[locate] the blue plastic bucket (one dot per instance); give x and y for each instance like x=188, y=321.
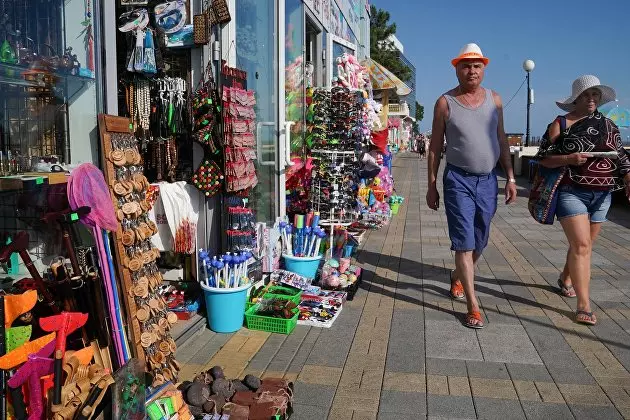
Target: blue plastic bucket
x=304, y=266
x=225, y=307
x=348, y=250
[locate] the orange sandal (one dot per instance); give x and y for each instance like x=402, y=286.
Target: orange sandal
x=474, y=320
x=586, y=318
x=457, y=289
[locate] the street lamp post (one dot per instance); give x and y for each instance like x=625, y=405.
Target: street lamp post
x=528, y=66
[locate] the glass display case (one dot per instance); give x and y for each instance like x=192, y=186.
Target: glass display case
x=48, y=95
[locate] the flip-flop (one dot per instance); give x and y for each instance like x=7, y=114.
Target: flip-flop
x=587, y=319
x=474, y=320
x=457, y=289
x=566, y=291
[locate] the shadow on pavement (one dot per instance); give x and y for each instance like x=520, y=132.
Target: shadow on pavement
x=620, y=215
x=422, y=272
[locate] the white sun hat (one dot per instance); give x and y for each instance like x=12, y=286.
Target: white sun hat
x=470, y=52
x=583, y=83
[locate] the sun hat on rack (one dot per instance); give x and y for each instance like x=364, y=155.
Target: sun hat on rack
x=583, y=83
x=470, y=52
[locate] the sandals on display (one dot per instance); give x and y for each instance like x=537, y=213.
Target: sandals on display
x=474, y=320
x=457, y=289
x=133, y=20
x=171, y=16
x=566, y=291
x=584, y=317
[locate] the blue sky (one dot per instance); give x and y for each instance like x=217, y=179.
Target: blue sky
x=565, y=39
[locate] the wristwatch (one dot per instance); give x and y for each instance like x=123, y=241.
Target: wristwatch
x=512, y=180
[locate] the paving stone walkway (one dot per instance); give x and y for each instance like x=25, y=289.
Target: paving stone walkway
x=399, y=349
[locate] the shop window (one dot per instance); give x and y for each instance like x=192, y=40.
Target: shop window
x=313, y=51
x=48, y=108
x=337, y=51
x=48, y=99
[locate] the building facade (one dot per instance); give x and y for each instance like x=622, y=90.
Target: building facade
x=410, y=99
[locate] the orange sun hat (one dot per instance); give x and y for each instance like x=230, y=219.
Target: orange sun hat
x=470, y=52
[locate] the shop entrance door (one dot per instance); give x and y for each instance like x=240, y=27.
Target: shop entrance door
x=256, y=49
x=293, y=91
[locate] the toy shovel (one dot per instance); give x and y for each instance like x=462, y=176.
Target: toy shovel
x=20, y=355
x=15, y=358
x=38, y=365
x=11, y=307
x=63, y=324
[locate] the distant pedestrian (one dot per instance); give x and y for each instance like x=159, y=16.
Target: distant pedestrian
x=584, y=195
x=422, y=148
x=470, y=117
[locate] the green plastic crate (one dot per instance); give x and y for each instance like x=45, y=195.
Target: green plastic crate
x=291, y=293
x=268, y=324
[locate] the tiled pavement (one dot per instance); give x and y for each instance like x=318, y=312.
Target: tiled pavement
x=399, y=350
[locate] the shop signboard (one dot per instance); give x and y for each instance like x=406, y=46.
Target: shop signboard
x=326, y=14
x=334, y=16
x=351, y=11
x=321, y=9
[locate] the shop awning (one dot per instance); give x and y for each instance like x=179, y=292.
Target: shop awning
x=383, y=79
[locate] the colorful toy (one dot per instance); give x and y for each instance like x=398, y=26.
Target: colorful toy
x=63, y=324
x=225, y=271
x=350, y=73
x=38, y=365
x=303, y=238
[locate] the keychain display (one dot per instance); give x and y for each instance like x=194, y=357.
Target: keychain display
x=130, y=187
x=158, y=110
x=169, y=111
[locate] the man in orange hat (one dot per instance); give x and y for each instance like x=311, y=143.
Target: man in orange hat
x=470, y=119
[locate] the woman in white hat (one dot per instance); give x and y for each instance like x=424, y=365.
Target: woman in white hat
x=589, y=145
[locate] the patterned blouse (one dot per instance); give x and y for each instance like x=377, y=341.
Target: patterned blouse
x=595, y=133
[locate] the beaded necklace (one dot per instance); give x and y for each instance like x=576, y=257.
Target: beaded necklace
x=143, y=100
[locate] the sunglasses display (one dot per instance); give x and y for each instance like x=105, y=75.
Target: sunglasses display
x=336, y=132
x=334, y=185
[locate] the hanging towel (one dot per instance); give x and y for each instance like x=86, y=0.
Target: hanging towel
x=181, y=208
x=163, y=239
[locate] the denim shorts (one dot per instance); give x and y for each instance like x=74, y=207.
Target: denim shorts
x=574, y=201
x=470, y=201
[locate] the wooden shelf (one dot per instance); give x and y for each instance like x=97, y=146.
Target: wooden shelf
x=31, y=180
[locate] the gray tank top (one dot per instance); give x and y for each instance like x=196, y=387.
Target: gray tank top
x=472, y=142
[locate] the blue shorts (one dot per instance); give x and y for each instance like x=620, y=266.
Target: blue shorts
x=574, y=201
x=470, y=201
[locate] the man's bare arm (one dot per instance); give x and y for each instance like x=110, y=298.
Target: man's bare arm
x=438, y=130
x=505, y=158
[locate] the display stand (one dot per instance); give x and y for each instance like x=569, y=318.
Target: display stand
x=335, y=142
x=107, y=125
x=147, y=312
